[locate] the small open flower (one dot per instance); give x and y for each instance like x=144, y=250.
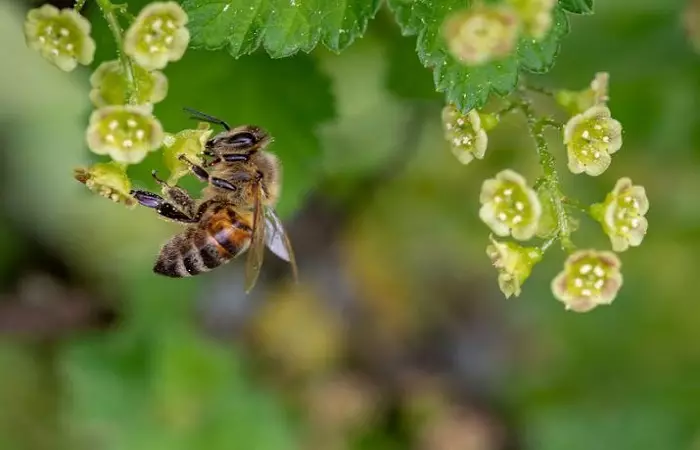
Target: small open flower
x=109, y=86
x=535, y=15
x=514, y=264
x=622, y=215
x=158, y=35
x=510, y=206
x=590, y=138
x=590, y=278
x=481, y=33
x=125, y=133
x=576, y=102
x=108, y=180
x=62, y=37
x=467, y=138
x=187, y=142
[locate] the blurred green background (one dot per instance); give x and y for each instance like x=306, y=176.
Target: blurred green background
x=397, y=336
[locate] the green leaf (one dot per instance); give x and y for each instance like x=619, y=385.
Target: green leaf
x=470, y=87
x=283, y=27
x=577, y=6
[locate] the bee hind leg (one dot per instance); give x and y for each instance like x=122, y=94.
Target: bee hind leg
x=162, y=207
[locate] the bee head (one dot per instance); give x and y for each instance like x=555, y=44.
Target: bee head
x=245, y=139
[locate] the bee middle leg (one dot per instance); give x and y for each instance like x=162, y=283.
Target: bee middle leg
x=203, y=175
x=176, y=195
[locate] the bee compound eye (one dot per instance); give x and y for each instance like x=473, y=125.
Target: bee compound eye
x=243, y=139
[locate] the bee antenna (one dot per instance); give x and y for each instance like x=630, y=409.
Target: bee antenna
x=207, y=118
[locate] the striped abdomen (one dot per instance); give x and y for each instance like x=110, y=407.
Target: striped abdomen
x=201, y=248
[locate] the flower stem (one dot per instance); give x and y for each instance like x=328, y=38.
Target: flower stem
x=109, y=11
x=550, y=177
x=79, y=5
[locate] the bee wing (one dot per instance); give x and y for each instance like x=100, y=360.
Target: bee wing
x=277, y=240
x=257, y=245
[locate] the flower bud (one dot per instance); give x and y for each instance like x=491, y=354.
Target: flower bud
x=514, y=264
x=576, y=102
x=108, y=180
x=187, y=142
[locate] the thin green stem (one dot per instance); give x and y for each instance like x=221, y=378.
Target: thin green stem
x=572, y=203
x=109, y=11
x=548, y=243
x=539, y=89
x=123, y=9
x=79, y=5
x=550, y=176
x=510, y=107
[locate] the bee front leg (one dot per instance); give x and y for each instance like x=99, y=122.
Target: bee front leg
x=198, y=171
x=204, y=176
x=162, y=207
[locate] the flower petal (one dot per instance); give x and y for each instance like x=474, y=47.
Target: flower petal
x=488, y=215
x=599, y=165
x=636, y=234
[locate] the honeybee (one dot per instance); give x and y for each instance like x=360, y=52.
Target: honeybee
x=235, y=213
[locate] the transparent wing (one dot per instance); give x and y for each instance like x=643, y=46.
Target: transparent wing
x=277, y=240
x=257, y=245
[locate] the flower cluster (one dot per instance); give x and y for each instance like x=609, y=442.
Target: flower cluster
x=124, y=90
x=512, y=207
x=488, y=32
